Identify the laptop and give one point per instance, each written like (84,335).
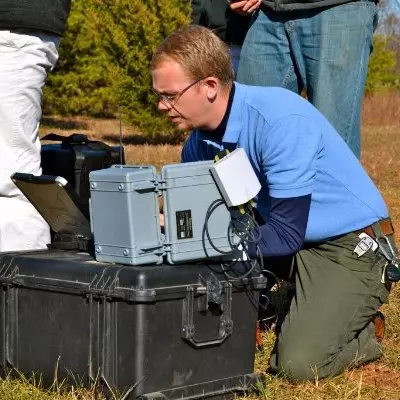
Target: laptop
(57,202)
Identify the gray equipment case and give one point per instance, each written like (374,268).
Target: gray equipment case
(125,214)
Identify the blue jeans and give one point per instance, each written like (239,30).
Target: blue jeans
(235,54)
(324,51)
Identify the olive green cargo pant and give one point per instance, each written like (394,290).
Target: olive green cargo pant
(329,325)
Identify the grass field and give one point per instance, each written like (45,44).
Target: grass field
(380,156)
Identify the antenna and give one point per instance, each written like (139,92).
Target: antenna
(120,135)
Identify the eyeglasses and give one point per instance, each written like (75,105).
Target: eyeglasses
(171,99)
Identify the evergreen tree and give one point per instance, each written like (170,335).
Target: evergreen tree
(105,59)
(382,74)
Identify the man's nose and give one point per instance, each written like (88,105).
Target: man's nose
(162,105)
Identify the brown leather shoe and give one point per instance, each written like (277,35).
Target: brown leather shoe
(379,322)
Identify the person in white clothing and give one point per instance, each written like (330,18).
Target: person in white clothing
(29,36)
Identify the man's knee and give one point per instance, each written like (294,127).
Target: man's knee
(296,367)
(303,361)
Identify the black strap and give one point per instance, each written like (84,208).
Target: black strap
(75,138)
(70,241)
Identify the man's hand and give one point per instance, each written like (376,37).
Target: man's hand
(244,7)
(162,221)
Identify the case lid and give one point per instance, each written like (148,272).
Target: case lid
(124,173)
(190,169)
(56,201)
(78,273)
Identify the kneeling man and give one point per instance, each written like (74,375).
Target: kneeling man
(317,201)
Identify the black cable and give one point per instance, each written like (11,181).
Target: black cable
(239,227)
(213,206)
(240,277)
(246,228)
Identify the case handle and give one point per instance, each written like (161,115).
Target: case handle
(78,139)
(225,323)
(75,138)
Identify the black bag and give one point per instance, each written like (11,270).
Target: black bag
(75,157)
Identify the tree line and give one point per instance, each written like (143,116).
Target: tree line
(105,55)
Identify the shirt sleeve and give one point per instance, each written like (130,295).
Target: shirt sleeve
(289,154)
(199,147)
(283,234)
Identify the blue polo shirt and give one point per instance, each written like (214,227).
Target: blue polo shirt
(295,152)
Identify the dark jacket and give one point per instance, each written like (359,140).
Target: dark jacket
(45,15)
(216,15)
(293,5)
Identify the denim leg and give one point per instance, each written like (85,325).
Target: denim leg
(266,58)
(235,54)
(335,45)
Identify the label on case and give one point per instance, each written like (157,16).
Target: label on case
(184,229)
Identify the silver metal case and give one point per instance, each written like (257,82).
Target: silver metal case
(125,215)
(189,193)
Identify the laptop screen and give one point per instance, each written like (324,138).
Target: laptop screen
(56,201)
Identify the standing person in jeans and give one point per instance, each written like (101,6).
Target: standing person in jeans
(30,32)
(229,25)
(321,46)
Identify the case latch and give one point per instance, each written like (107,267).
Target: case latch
(218,296)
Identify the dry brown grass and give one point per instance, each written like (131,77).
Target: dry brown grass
(381,109)
(381,158)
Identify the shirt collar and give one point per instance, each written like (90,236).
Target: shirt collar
(228,131)
(235,123)
(219,132)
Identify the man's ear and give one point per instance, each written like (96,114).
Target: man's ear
(212,85)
